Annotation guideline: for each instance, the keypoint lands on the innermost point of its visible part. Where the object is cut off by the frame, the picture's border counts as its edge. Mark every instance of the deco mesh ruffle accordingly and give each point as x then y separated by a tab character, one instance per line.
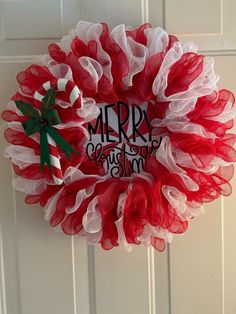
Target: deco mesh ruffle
146	126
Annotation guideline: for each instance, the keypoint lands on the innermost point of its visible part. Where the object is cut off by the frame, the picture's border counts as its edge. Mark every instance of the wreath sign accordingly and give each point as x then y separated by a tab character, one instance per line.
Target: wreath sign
121	135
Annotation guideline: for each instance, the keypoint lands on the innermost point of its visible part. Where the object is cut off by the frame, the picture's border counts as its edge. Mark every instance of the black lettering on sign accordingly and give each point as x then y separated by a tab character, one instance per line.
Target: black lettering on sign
122	120
108	130
125	139
94	129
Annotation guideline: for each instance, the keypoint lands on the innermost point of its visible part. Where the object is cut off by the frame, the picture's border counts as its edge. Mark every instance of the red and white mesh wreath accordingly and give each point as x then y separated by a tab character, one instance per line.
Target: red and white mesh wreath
121	135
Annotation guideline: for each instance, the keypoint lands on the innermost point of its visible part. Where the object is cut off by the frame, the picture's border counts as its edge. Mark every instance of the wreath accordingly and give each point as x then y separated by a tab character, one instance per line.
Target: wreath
121	135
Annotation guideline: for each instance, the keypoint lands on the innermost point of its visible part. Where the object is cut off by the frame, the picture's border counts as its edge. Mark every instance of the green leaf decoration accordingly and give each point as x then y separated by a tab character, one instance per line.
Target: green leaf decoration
27	109
48	100
43	123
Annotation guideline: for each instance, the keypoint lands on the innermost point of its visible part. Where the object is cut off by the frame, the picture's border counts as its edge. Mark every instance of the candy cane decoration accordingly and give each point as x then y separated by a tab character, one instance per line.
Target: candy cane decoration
55	161
75	99
61	85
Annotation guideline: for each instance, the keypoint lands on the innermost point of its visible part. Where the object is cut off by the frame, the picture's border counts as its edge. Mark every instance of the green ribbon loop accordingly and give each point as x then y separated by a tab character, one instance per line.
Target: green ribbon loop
43	123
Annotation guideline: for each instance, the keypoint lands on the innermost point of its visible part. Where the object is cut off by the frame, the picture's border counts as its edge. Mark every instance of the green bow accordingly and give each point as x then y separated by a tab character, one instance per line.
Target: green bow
42	122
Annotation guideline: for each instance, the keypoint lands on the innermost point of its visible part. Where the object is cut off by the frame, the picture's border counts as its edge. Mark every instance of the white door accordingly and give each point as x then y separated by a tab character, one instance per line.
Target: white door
43	272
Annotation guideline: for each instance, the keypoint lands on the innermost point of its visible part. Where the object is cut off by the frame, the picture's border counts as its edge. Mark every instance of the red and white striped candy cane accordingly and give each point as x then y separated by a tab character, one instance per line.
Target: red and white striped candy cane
55	161
61	85
75	99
